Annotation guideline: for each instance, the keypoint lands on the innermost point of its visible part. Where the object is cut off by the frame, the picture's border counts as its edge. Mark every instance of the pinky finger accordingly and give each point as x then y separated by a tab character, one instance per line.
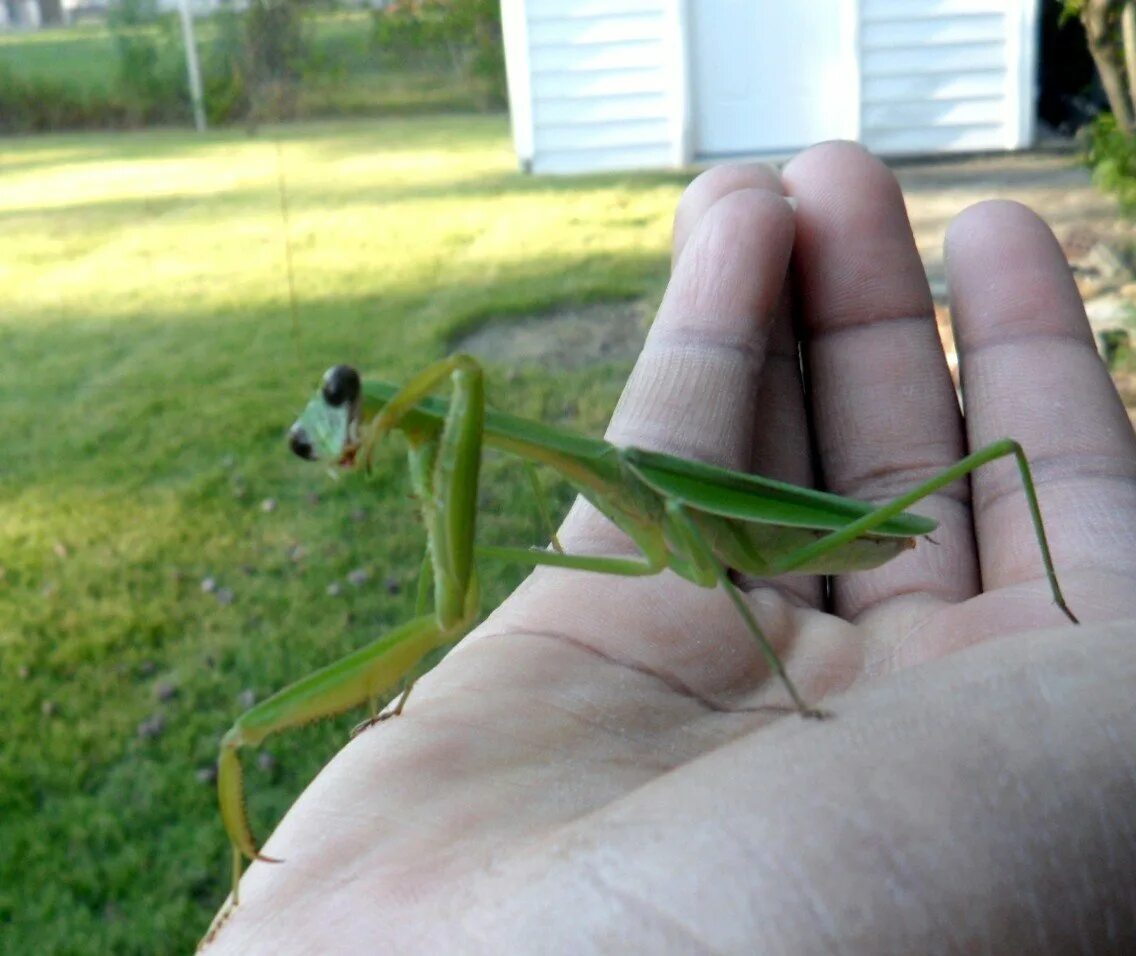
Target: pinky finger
1030	371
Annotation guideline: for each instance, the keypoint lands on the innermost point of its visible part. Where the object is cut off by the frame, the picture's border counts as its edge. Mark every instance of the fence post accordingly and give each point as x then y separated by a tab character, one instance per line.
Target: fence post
191	65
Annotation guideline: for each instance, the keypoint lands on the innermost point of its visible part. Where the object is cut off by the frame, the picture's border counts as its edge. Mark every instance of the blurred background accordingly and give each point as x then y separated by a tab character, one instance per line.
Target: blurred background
204	206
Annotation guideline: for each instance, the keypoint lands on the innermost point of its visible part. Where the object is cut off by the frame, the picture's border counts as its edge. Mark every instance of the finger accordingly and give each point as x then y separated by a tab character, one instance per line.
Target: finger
1031	372
714	184
885	415
780	441
693	390
780	445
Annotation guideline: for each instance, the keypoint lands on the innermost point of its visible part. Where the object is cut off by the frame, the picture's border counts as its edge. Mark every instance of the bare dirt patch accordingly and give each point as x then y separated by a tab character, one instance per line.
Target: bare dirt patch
1099	243
567	338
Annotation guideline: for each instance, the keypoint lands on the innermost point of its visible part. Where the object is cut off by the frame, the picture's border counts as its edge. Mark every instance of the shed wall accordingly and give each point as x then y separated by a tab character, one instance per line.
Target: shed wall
601	84
600	91
945	75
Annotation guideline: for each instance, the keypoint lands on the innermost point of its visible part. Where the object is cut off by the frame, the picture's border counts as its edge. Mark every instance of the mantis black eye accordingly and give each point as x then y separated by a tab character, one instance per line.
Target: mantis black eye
300	444
341	385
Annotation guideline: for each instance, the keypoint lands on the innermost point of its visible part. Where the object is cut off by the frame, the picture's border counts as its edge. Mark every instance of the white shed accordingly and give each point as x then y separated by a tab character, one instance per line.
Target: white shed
633	84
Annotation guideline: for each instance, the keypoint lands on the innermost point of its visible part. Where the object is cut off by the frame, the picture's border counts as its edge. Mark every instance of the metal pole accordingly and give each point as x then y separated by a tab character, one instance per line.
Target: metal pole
191	65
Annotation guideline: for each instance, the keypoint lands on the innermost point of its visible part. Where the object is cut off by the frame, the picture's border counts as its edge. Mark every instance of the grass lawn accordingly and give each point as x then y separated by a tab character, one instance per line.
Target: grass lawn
149	367
83	55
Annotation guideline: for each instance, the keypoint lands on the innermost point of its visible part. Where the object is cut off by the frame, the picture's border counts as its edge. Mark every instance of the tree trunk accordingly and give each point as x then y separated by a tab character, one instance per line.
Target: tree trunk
1096	18
1128	45
51	11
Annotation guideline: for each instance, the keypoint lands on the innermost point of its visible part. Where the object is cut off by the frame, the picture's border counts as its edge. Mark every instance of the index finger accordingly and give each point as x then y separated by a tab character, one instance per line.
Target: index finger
693	390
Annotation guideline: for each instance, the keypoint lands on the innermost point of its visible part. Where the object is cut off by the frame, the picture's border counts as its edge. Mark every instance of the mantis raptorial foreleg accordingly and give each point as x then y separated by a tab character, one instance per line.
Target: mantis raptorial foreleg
444	468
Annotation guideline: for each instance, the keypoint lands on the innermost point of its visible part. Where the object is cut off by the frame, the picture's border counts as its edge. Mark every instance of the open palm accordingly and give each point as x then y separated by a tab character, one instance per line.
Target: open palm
606	764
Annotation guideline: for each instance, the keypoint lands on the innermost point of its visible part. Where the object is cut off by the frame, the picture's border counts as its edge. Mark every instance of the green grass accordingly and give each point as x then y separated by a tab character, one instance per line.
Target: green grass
148	371
82	55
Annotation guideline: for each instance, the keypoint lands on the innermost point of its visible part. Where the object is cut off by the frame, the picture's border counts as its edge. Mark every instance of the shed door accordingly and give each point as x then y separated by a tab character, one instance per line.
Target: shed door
771	76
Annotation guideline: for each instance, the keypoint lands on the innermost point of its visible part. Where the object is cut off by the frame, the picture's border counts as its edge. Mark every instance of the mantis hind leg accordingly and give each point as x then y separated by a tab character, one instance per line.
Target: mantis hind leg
707	570
543	511
999	449
701	566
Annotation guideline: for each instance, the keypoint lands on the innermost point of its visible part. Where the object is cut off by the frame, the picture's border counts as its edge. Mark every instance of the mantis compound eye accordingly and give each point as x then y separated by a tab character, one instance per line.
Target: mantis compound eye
300	444
341	385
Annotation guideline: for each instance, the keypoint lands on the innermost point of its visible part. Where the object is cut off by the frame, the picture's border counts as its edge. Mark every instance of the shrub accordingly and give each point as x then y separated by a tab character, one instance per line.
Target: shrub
464	33
151	70
273	52
223	76
1112	155
37	105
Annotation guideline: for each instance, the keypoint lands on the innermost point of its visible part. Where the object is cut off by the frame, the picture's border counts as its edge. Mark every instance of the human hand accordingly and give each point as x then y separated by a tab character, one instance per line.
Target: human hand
606	764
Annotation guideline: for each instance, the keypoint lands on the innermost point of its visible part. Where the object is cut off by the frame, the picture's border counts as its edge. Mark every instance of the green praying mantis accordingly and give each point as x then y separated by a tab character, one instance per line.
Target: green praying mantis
699	521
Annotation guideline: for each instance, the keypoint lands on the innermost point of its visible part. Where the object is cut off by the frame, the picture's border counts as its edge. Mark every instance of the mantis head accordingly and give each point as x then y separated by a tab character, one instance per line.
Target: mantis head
328	428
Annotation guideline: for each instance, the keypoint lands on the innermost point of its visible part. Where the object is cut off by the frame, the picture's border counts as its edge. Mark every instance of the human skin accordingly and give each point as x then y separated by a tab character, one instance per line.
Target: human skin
606	764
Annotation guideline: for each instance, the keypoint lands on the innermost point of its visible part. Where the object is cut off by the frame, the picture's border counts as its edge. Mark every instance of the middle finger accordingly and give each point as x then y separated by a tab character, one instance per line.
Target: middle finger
884	408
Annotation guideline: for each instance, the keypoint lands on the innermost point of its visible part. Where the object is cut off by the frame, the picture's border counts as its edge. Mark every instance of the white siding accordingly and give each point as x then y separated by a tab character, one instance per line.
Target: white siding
944	75
600	88
607	84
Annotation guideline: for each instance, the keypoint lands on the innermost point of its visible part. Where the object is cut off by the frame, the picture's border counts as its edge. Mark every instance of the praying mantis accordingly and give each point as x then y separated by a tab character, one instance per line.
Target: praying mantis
700	521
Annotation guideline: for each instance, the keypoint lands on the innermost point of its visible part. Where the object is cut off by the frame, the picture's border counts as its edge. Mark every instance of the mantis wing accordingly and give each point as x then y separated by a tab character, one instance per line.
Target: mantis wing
751	498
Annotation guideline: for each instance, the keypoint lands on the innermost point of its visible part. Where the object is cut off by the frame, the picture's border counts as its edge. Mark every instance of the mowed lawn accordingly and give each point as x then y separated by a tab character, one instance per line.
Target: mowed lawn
163	559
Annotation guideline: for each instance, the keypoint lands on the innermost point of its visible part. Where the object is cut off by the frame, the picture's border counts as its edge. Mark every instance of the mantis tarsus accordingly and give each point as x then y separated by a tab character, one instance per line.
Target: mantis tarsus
697	520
